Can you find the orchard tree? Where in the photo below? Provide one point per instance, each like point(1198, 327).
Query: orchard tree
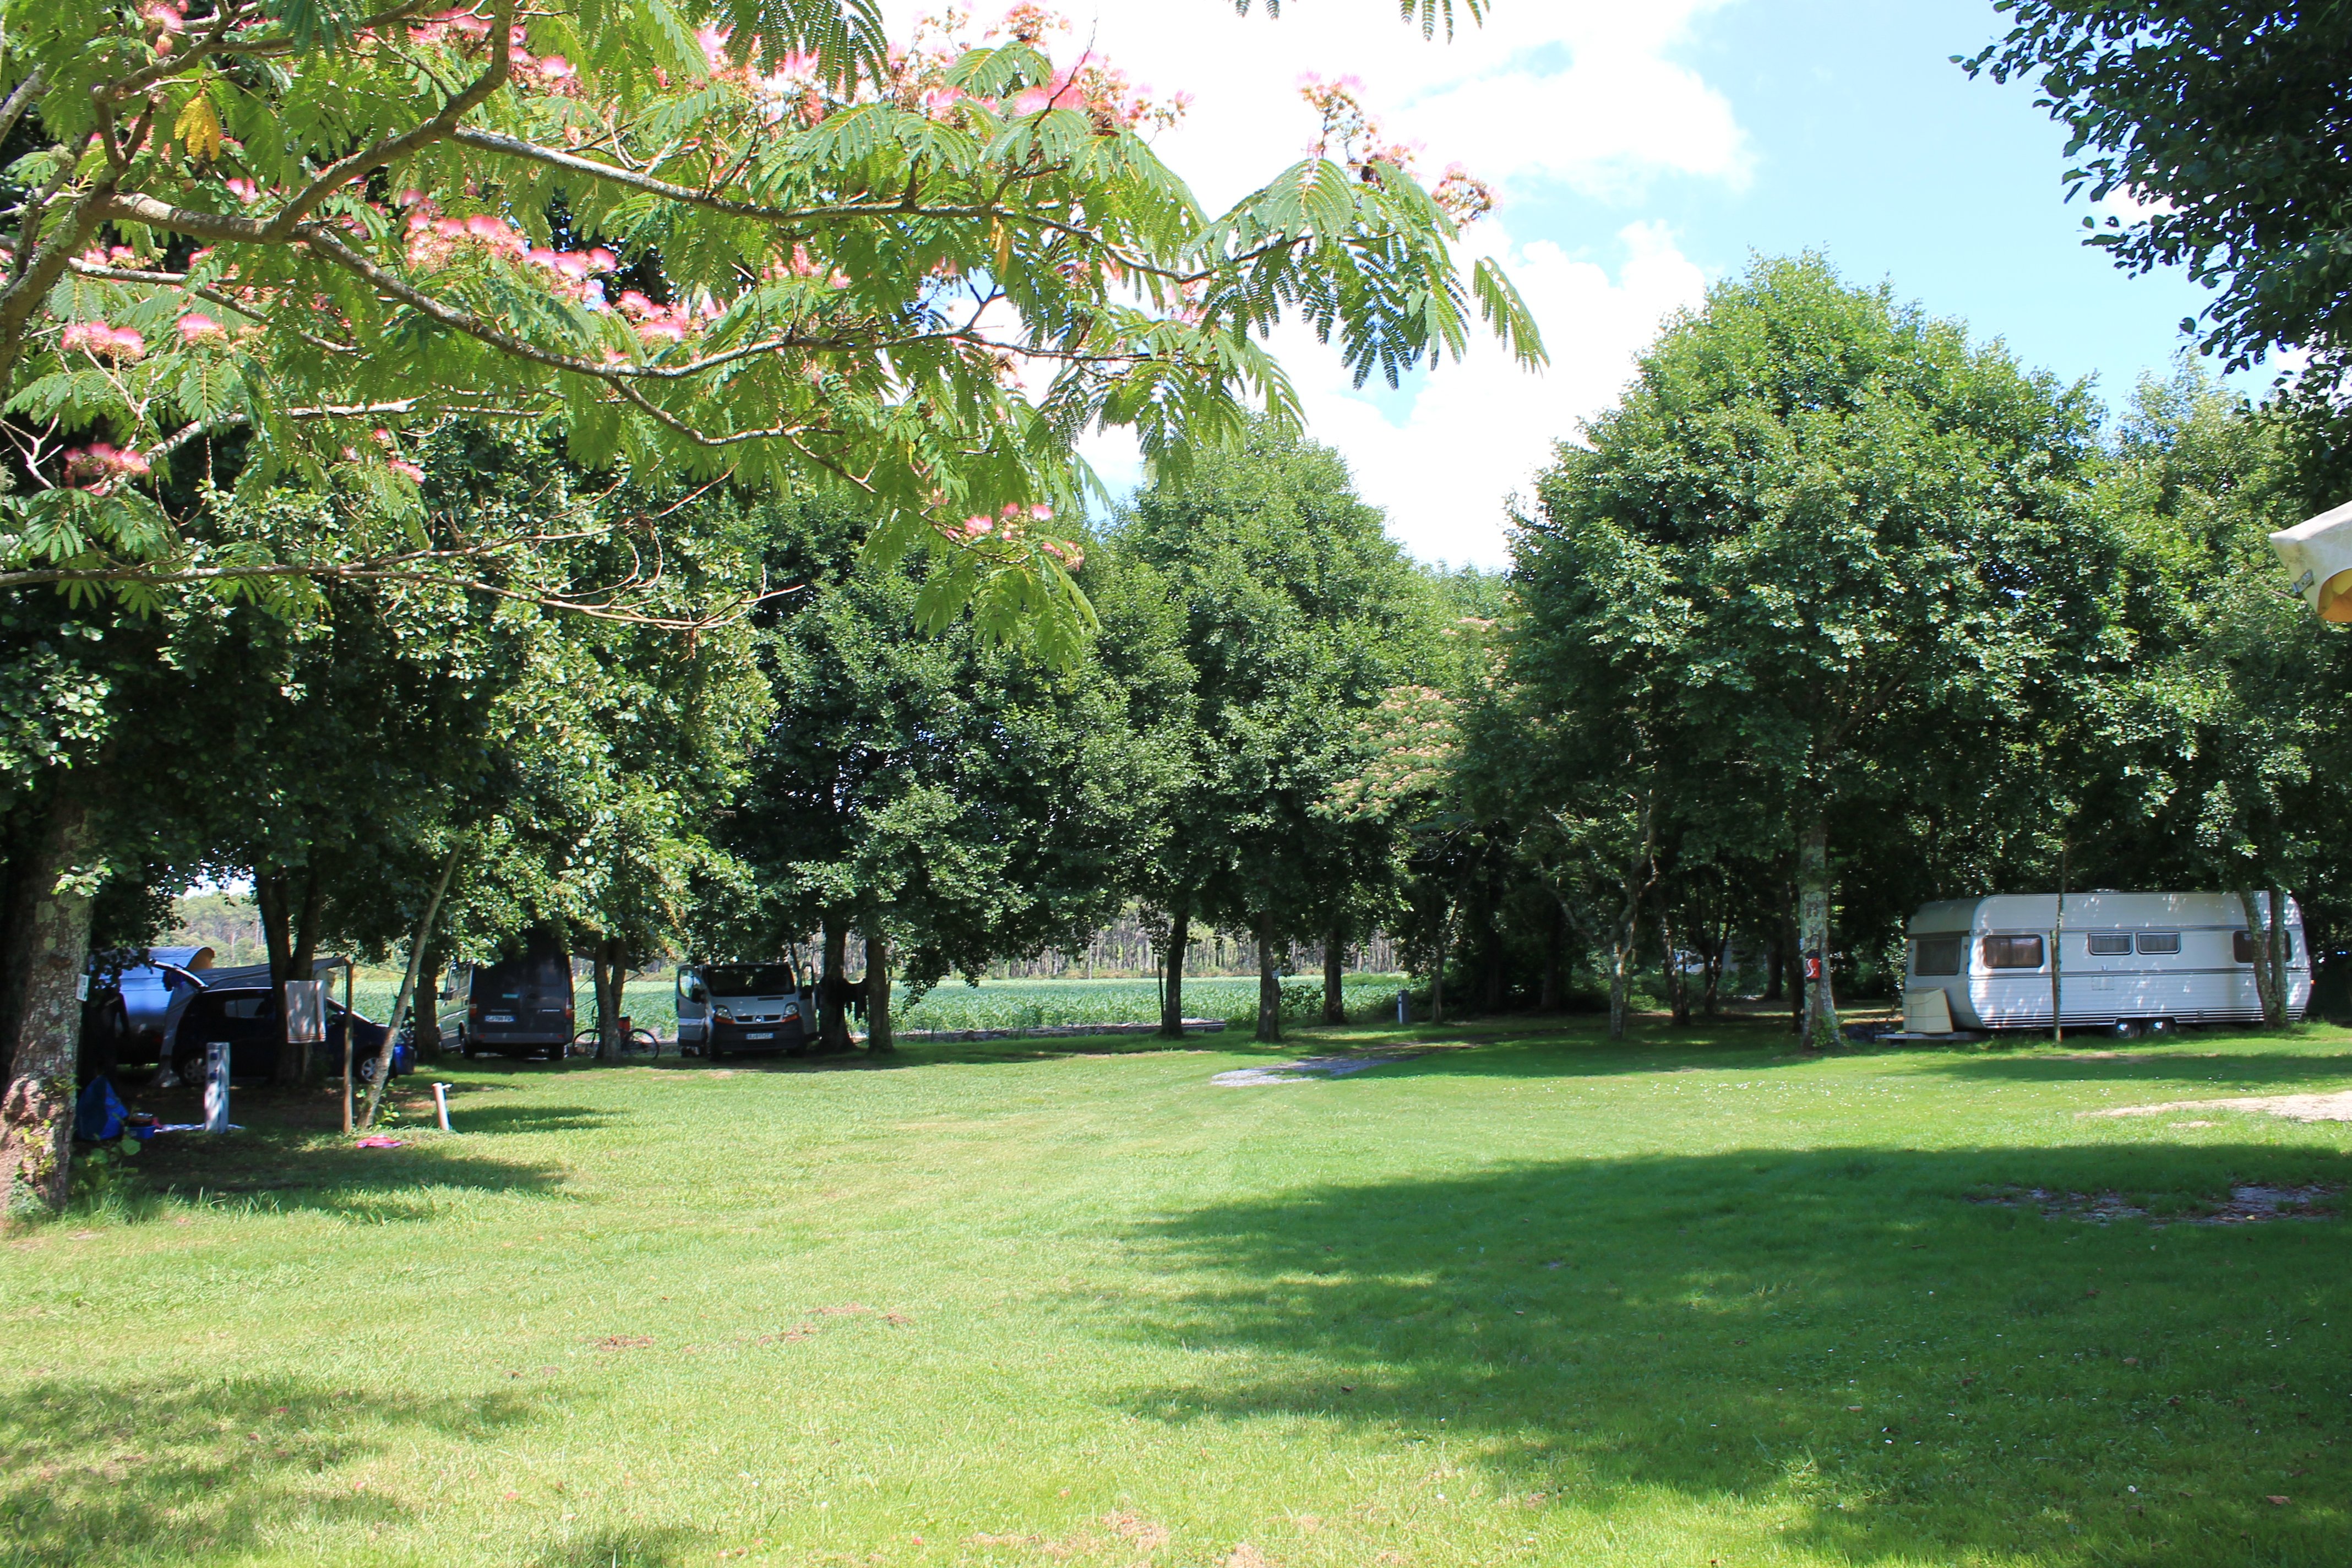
point(1828, 541)
point(713, 239)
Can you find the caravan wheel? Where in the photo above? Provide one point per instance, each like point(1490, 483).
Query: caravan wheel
point(2163, 1028)
point(2127, 1028)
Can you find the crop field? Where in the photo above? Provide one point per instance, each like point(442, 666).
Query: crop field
point(1528, 1298)
point(1016, 1004)
point(1028, 1003)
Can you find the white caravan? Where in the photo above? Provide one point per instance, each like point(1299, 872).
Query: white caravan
point(2130, 961)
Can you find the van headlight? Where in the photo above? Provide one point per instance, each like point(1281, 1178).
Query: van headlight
point(722, 1015)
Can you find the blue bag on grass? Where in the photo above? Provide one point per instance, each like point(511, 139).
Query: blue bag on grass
point(98, 1115)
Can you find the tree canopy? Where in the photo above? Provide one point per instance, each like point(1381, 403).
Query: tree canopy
point(702, 240)
point(2227, 124)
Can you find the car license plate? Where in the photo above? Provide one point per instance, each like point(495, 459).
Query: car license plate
point(763, 1035)
point(499, 1018)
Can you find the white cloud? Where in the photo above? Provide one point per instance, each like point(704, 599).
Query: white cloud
point(1479, 430)
point(1547, 94)
point(1447, 467)
point(1571, 90)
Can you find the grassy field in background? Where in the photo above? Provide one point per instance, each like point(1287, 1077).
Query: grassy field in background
point(1535, 1299)
point(1004, 1003)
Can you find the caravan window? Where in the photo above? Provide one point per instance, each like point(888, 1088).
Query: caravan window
point(2159, 941)
point(2241, 946)
point(1937, 955)
point(2013, 952)
point(2108, 943)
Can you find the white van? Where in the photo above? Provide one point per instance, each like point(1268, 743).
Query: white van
point(2131, 961)
point(728, 1008)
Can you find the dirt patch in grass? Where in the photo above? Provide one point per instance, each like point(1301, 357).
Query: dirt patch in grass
point(2337, 1107)
point(2247, 1205)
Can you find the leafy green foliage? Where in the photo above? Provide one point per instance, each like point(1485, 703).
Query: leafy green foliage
point(963, 798)
point(1264, 610)
point(726, 237)
point(2227, 120)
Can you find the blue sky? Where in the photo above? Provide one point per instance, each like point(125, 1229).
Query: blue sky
point(1641, 151)
point(1871, 146)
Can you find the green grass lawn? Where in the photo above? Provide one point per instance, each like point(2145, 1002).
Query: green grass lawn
point(1535, 1301)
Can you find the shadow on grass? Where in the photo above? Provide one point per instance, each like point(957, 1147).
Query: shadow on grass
point(1850, 1339)
point(284, 1172)
point(194, 1468)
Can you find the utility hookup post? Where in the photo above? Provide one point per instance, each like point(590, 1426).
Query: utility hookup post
point(216, 1087)
point(1404, 1006)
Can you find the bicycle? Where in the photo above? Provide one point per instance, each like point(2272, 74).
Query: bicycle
point(585, 1043)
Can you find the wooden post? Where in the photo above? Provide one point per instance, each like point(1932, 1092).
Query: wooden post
point(347, 1045)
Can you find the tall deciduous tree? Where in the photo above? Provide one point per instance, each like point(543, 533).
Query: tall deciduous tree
point(1835, 541)
point(1293, 614)
point(955, 801)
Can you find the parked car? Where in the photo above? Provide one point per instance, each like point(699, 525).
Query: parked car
point(517, 1006)
point(244, 1018)
point(724, 1008)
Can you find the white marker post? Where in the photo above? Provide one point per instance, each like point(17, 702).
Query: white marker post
point(216, 1087)
point(2318, 553)
point(441, 1103)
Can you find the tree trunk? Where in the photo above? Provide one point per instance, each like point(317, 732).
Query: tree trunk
point(1335, 976)
point(1549, 998)
point(1775, 964)
point(37, 1112)
point(608, 968)
point(25, 826)
point(1172, 987)
point(1624, 932)
point(1678, 997)
point(1718, 945)
point(294, 1059)
point(1491, 964)
point(2058, 955)
point(428, 1019)
point(2266, 934)
point(878, 1039)
point(269, 903)
point(832, 992)
point(1813, 941)
point(1269, 983)
point(2281, 948)
point(1437, 974)
point(1792, 965)
point(406, 996)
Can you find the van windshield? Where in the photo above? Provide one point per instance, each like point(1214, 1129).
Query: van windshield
point(748, 979)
